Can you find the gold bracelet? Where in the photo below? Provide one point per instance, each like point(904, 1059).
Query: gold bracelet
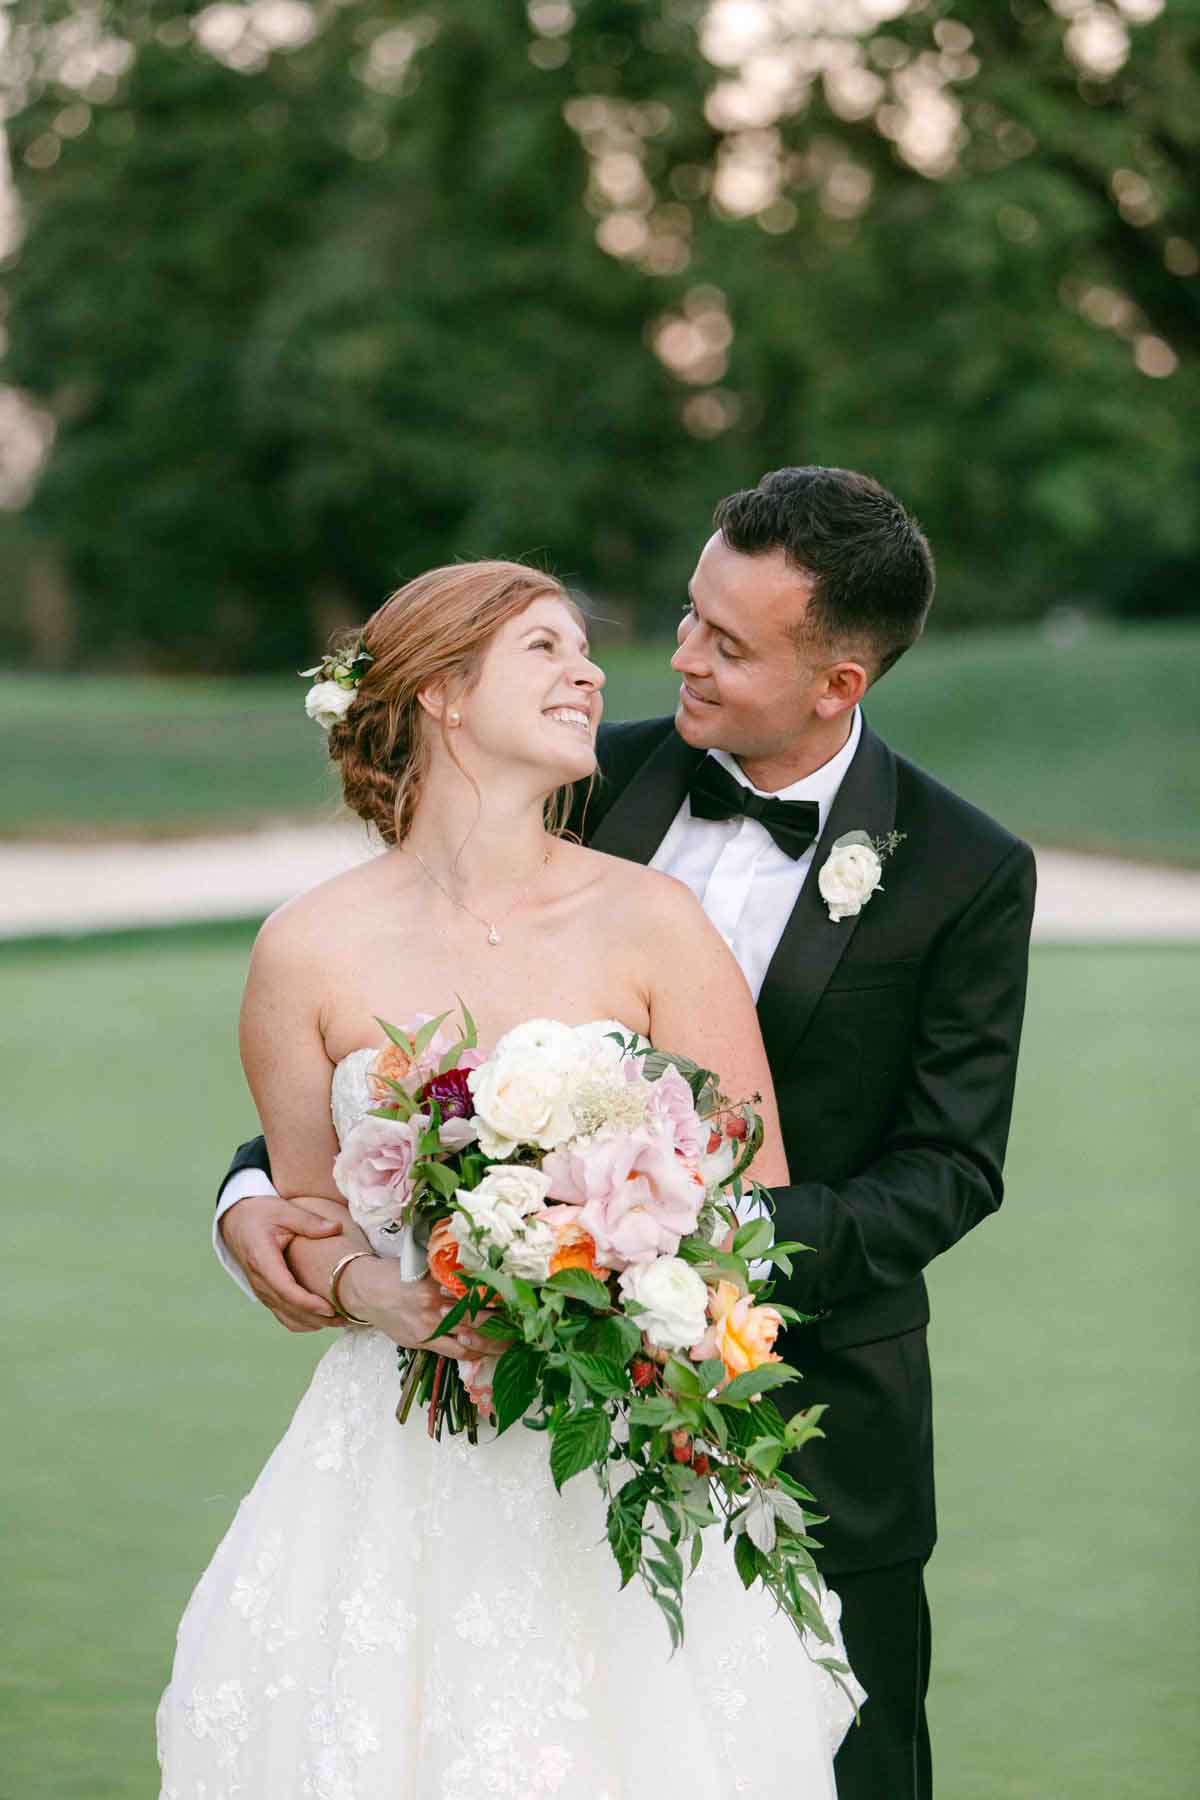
point(336, 1277)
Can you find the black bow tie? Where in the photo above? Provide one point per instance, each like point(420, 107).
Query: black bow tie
point(714, 794)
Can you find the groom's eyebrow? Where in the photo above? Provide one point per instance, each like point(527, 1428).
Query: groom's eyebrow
point(715, 624)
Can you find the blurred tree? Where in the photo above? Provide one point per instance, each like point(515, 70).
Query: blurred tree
point(319, 294)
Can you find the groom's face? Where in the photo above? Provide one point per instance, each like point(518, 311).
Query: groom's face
point(747, 687)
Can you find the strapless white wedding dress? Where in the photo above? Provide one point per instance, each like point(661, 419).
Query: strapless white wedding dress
point(390, 1618)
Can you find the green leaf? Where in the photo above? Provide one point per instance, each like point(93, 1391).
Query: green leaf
point(758, 1381)
point(672, 1559)
point(765, 1455)
point(515, 1383)
point(580, 1440)
point(758, 1522)
point(721, 1265)
point(625, 1538)
point(697, 1552)
point(402, 1101)
point(497, 1328)
point(673, 1614)
point(603, 1377)
point(709, 1372)
point(400, 1038)
point(450, 1060)
point(681, 1378)
point(803, 1426)
point(459, 1310)
point(470, 1029)
point(436, 1175)
point(656, 1413)
point(753, 1240)
point(788, 1511)
point(714, 1419)
point(580, 1286)
point(615, 1338)
point(425, 1035)
point(745, 1560)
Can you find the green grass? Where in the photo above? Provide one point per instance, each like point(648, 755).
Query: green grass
point(1095, 744)
point(145, 1393)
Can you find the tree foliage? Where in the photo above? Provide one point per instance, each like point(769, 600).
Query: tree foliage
point(320, 294)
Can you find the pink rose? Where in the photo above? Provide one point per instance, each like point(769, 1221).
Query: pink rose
point(477, 1374)
point(636, 1197)
point(374, 1167)
point(670, 1104)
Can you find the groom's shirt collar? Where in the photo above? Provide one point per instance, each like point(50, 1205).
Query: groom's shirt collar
point(822, 785)
point(746, 884)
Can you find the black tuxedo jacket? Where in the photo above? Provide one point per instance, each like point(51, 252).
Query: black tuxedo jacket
point(892, 1039)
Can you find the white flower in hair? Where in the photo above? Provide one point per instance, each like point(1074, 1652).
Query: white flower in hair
point(332, 694)
point(327, 702)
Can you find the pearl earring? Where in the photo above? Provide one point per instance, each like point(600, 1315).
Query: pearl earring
point(455, 718)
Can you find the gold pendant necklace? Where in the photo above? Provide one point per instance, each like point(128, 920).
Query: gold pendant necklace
point(493, 925)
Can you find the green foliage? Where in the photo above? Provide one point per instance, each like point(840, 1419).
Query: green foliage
point(311, 323)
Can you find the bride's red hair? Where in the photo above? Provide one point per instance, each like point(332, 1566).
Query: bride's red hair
point(437, 628)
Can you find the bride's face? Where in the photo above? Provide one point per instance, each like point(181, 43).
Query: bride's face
point(537, 700)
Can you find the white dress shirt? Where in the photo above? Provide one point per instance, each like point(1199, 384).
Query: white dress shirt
point(746, 884)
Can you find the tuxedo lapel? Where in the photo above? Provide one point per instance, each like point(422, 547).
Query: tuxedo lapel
point(812, 945)
point(639, 818)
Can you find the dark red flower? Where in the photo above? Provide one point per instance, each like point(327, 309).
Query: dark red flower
point(451, 1093)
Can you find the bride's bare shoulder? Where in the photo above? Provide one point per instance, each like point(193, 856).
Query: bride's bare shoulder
point(630, 886)
point(334, 912)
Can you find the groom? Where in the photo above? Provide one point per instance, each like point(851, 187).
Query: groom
point(892, 1030)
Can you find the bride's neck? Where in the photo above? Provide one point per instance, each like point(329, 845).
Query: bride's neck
point(479, 843)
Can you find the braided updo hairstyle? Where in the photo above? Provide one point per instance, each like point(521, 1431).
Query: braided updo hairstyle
point(437, 628)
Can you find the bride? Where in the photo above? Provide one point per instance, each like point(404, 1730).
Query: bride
point(389, 1617)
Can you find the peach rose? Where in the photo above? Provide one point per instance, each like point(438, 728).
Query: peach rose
point(443, 1258)
point(391, 1064)
point(741, 1334)
point(575, 1248)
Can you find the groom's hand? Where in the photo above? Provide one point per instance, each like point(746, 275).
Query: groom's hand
point(257, 1232)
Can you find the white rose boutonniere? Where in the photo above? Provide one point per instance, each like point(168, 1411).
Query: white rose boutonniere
point(853, 871)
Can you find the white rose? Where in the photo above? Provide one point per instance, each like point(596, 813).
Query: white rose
point(597, 1048)
point(675, 1301)
point(548, 1037)
point(530, 1254)
point(520, 1189)
point(848, 878)
point(717, 1165)
point(327, 702)
point(521, 1095)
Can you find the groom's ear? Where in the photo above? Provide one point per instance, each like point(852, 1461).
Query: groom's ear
point(843, 685)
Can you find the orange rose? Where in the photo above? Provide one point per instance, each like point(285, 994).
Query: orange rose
point(741, 1334)
point(391, 1064)
point(575, 1247)
point(443, 1258)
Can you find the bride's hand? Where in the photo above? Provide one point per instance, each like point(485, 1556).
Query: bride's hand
point(408, 1312)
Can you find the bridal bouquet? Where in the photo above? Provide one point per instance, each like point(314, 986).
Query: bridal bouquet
point(579, 1193)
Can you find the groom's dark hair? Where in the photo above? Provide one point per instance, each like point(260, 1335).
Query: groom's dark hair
point(869, 562)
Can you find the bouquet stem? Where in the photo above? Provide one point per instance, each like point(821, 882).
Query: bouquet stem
point(413, 1381)
point(439, 1376)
